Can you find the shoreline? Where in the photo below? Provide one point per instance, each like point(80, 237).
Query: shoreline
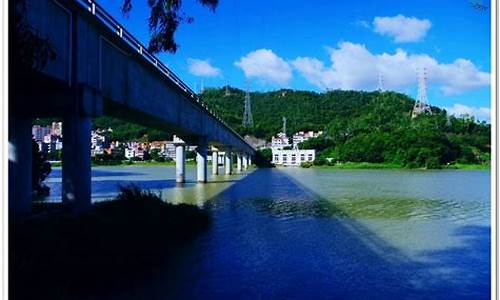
point(345, 166)
point(386, 166)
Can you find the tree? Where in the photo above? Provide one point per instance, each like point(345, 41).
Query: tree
point(190, 154)
point(164, 19)
point(155, 155)
point(266, 154)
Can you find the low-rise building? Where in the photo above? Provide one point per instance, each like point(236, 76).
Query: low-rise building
point(302, 136)
point(129, 153)
point(293, 157)
point(40, 132)
point(280, 141)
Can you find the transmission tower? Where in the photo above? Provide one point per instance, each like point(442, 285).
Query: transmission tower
point(227, 93)
point(421, 103)
point(448, 120)
point(284, 125)
point(247, 114)
point(380, 83)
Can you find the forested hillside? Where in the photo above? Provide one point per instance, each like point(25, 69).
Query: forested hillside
point(360, 126)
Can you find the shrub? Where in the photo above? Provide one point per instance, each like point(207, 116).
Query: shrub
point(412, 165)
point(320, 161)
point(306, 164)
point(160, 159)
point(432, 163)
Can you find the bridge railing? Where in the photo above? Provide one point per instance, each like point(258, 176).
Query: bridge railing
point(101, 14)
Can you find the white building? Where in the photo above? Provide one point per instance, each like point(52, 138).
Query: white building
point(293, 157)
point(39, 132)
point(279, 141)
point(56, 128)
point(129, 153)
point(302, 136)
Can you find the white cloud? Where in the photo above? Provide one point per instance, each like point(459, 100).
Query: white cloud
point(203, 68)
point(479, 113)
point(362, 23)
point(265, 65)
point(353, 66)
point(315, 72)
point(402, 29)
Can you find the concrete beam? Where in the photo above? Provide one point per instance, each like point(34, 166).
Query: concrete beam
point(180, 163)
point(76, 168)
point(20, 166)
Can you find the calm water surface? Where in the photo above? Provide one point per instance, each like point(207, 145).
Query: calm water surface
point(297, 233)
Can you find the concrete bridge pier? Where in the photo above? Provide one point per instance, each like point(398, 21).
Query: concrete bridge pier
point(239, 162)
point(201, 162)
point(20, 165)
point(222, 157)
point(249, 160)
point(180, 163)
point(85, 103)
point(215, 163)
point(228, 162)
point(76, 167)
point(245, 161)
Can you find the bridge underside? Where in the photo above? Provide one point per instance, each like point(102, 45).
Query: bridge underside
point(97, 72)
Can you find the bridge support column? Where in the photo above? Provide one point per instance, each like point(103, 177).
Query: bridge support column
point(249, 160)
point(20, 166)
point(228, 158)
point(76, 168)
point(245, 161)
point(215, 163)
point(201, 162)
point(180, 163)
point(239, 162)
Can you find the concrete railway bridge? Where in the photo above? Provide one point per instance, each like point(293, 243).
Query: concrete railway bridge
point(101, 69)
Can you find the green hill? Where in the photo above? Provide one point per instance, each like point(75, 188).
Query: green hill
point(360, 126)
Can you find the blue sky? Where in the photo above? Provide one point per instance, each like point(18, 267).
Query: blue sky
point(333, 44)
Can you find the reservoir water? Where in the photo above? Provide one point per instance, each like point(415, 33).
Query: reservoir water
point(293, 233)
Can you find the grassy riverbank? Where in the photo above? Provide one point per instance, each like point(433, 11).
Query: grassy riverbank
point(365, 165)
point(56, 255)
